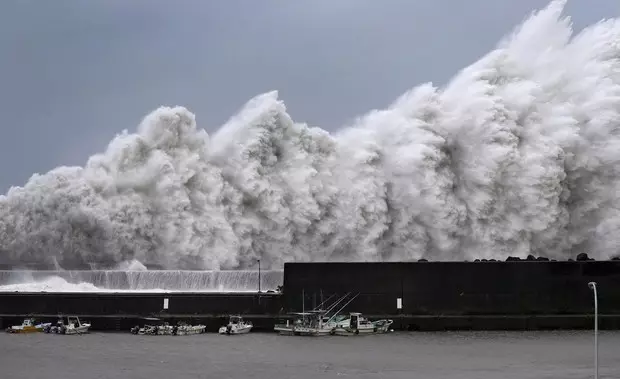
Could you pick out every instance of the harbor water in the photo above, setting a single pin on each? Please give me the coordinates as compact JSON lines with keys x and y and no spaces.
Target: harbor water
{"x":462,"y":355}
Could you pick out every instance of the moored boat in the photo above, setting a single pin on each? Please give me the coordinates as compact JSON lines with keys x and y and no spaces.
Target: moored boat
{"x":72,"y":326}
{"x":316,"y":322}
{"x":236,"y":325}
{"x":150,"y":326}
{"x":183,"y":329}
{"x":358,"y":324}
{"x":29,"y":325}
{"x":156,"y":327}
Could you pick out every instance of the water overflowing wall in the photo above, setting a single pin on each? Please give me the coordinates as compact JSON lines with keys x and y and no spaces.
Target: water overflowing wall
{"x":164,"y":280}
{"x":517,"y":154}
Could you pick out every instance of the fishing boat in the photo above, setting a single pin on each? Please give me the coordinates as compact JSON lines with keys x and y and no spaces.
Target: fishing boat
{"x":358,"y":324}
{"x":29,"y":325}
{"x":316,"y":322}
{"x":72,"y":326}
{"x":236,"y":325}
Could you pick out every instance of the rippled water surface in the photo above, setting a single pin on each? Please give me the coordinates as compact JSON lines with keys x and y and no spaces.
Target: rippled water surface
{"x":463,"y":355}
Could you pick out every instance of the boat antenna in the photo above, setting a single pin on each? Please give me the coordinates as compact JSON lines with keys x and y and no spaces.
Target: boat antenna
{"x":353,"y":298}
{"x":323,"y":302}
{"x":338,"y":302}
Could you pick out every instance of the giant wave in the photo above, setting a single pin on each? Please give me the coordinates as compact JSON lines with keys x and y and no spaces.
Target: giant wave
{"x":518,"y":154}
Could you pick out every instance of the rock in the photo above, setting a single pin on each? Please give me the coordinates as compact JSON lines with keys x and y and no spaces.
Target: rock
{"x":582,"y":257}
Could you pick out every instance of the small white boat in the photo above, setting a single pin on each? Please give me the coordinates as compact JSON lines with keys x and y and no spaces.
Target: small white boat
{"x":29,"y":325}
{"x":185,"y":330}
{"x":358,"y":324}
{"x":150,"y":326}
{"x":236,"y":325}
{"x":73,"y":326}
{"x":157,"y":327}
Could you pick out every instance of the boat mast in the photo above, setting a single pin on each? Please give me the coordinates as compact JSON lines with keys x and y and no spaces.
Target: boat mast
{"x":303,"y":304}
{"x":324,"y":302}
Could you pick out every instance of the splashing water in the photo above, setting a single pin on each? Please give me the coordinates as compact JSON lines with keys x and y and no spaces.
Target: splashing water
{"x":518,"y":154}
{"x":138,"y":281}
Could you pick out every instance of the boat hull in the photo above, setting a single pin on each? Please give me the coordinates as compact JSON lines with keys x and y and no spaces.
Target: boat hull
{"x":77,"y":330}
{"x":378,"y":327}
{"x":188,"y":331}
{"x":233,"y":331}
{"x":169,"y":330}
{"x":82,"y":329}
{"x":303,"y":331}
{"x":27,"y":329}
{"x":283,"y":329}
{"x":353,"y":332}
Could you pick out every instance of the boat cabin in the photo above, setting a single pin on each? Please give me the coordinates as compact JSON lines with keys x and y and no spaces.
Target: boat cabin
{"x":307,"y":319}
{"x":235,"y":320}
{"x":359,"y":321}
{"x":73,"y":321}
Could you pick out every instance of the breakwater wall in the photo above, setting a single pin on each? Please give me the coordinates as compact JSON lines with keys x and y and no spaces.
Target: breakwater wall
{"x":121,"y":311}
{"x":512,"y":295}
{"x":465,"y":295}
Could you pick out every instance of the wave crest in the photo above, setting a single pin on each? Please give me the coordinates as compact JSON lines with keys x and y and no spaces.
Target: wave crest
{"x":519,"y":154}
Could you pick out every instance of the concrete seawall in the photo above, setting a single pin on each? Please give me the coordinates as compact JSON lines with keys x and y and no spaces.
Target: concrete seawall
{"x":465,"y":295}
{"x":121,"y":311}
{"x":521,"y":295}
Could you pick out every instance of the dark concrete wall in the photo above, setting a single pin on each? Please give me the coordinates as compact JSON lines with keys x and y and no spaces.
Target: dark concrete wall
{"x":459,"y":288}
{"x":436,"y":296}
{"x":137,"y":304}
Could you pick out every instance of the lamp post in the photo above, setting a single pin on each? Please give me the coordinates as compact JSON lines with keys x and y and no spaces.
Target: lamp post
{"x":592,"y":286}
{"x":259,"y":276}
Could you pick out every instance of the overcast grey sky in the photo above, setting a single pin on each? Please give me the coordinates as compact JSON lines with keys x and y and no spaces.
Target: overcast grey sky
{"x":75,"y":73}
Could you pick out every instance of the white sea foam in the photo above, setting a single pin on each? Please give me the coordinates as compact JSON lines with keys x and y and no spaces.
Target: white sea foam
{"x":519,"y":153}
{"x":139,"y":281}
